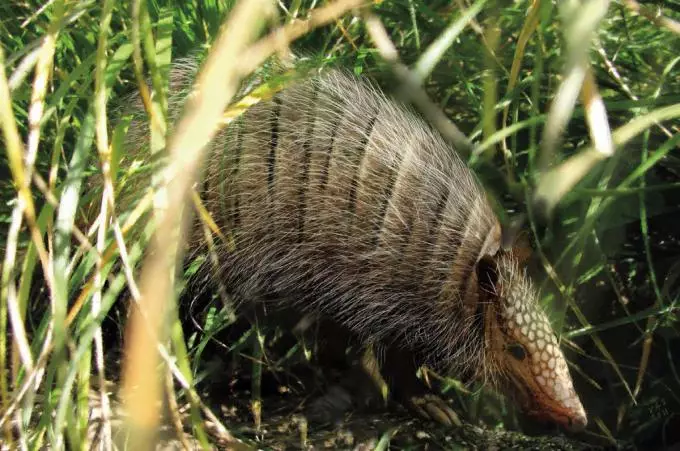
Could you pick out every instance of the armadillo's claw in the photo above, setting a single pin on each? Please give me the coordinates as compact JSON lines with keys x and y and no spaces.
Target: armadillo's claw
{"x":432,"y":407}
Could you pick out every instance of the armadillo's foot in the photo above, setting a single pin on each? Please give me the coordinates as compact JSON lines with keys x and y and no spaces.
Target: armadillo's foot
{"x":329,"y":408}
{"x":432,"y":407}
{"x":400,"y":371}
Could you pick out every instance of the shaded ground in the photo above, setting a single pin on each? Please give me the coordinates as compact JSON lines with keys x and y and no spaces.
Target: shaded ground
{"x":366,"y":430}
{"x":394,"y":430}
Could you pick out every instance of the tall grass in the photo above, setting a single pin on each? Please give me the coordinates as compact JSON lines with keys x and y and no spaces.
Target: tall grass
{"x":568,"y":112}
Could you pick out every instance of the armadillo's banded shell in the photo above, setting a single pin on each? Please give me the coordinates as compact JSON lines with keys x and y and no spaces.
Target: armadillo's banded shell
{"x":339,"y":195}
{"x":336,"y":199}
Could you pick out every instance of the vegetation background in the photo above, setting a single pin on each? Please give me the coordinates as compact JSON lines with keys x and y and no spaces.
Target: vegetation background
{"x":532,"y":85}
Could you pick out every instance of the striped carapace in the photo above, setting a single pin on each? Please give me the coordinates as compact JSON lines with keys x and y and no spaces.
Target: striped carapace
{"x":341,"y":201}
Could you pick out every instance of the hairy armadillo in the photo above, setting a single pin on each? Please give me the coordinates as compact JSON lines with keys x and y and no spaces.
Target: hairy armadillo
{"x":342,"y":201}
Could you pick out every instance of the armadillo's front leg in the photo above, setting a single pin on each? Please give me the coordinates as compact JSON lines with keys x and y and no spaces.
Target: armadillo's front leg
{"x":399,"y":371}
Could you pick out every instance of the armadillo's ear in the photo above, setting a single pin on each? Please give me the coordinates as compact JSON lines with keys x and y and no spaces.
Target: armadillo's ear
{"x":487,"y":274}
{"x":481,"y":286}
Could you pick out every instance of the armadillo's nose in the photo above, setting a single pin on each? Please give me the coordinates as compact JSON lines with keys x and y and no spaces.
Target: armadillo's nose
{"x":578,"y":422}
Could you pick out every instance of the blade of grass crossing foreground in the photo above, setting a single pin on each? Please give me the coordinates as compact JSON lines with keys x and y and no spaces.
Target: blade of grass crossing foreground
{"x":159,"y":56}
{"x":104,"y":156}
{"x":62,"y":241}
{"x":43,"y":70}
{"x":9,"y":303}
{"x":163,"y":51}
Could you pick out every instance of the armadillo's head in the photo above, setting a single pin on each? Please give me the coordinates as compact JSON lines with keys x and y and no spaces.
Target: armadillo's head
{"x":523,"y":351}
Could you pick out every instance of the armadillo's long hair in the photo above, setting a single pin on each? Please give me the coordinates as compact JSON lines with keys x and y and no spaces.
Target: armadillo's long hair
{"x":342,"y":202}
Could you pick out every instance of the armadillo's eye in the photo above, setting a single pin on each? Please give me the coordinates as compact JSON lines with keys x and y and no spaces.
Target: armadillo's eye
{"x":517,"y":351}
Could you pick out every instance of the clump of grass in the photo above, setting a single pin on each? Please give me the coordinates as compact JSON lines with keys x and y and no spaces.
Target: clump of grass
{"x":568,"y":113}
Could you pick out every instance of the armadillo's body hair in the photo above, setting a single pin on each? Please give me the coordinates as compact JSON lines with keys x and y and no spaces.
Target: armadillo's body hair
{"x":356,"y":267}
{"x":343,"y":202}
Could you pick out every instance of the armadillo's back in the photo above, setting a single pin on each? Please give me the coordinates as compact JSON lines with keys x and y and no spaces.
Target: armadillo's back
{"x":346,"y":201}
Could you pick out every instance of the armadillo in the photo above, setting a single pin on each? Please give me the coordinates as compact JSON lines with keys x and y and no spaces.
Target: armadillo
{"x":342,"y":201}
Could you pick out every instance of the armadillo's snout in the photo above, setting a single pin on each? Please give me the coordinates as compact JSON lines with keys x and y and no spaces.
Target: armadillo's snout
{"x":551,"y":386}
{"x":571,"y":416}
{"x":578,"y":422}
{"x":566,"y":408}
{"x":576,"y":416}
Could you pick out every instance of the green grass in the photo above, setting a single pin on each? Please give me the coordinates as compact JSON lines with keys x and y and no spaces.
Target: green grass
{"x":602,"y":224}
